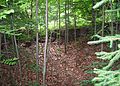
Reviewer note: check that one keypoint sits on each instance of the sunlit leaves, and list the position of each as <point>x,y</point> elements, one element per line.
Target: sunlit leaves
<point>23,4</point>
<point>107,78</point>
<point>119,46</point>
<point>9,32</point>
<point>106,55</point>
<point>100,3</point>
<point>105,39</point>
<point>5,12</point>
<point>10,62</point>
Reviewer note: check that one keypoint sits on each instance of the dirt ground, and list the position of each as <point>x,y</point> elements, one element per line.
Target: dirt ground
<point>62,69</point>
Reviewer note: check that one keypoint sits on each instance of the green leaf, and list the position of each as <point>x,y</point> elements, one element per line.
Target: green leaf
<point>119,46</point>
<point>5,12</point>
<point>100,3</point>
<point>11,62</point>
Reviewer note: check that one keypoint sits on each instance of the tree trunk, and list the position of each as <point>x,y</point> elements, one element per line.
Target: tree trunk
<point>0,42</point>
<point>75,27</point>
<point>5,43</point>
<point>68,23</point>
<point>16,48</point>
<point>17,54</point>
<point>59,21</point>
<point>37,46</point>
<point>111,24</point>
<point>46,43</point>
<point>94,17</point>
<point>103,24</point>
<point>66,26</point>
<point>0,54</point>
<point>31,8</point>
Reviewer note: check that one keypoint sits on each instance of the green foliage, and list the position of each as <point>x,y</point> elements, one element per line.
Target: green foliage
<point>11,62</point>
<point>33,67</point>
<point>4,13</point>
<point>86,82</point>
<point>106,77</point>
<point>9,32</point>
<point>105,39</point>
<point>100,3</point>
<point>113,14</point>
<point>23,12</point>
<point>34,84</point>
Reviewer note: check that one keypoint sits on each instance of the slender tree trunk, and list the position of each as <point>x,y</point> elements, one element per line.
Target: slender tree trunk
<point>117,26</point>
<point>17,54</point>
<point>0,42</point>
<point>75,24</point>
<point>12,40</point>
<point>93,17</point>
<point>31,8</point>
<point>103,24</point>
<point>0,55</point>
<point>116,32</point>
<point>16,49</point>
<point>59,21</point>
<point>66,26</point>
<point>112,30</point>
<point>37,46</point>
<point>46,43</point>
<point>68,23</point>
<point>111,24</point>
<point>75,27</point>
<point>5,42</point>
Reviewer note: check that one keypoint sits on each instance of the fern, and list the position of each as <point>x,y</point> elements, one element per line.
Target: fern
<point>11,62</point>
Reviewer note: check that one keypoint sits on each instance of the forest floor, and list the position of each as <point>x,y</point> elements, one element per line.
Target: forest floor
<point>68,69</point>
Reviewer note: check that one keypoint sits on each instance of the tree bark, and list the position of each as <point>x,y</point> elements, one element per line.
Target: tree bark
<point>37,46</point>
<point>68,23</point>
<point>0,42</point>
<point>111,24</point>
<point>31,8</point>
<point>5,42</point>
<point>59,21</point>
<point>94,17</point>
<point>66,26</point>
<point>103,24</point>
<point>75,27</point>
<point>16,47</point>
<point>46,43</point>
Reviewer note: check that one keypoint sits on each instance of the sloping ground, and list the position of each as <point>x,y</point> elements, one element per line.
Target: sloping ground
<point>69,69</point>
<point>62,69</point>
